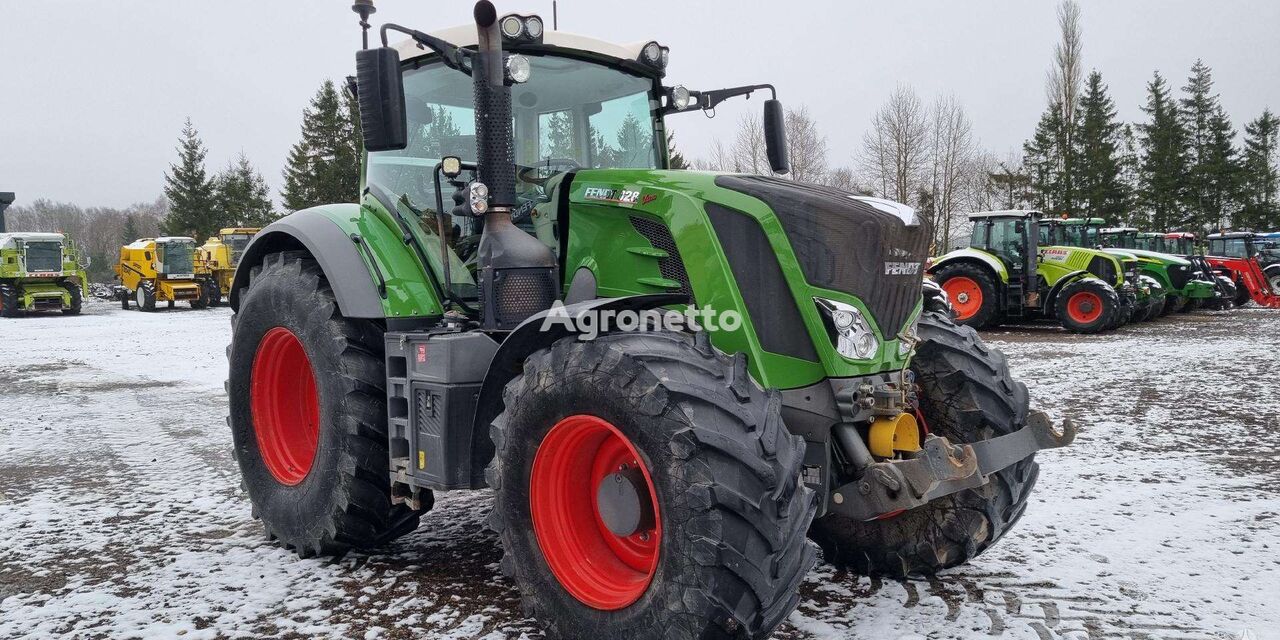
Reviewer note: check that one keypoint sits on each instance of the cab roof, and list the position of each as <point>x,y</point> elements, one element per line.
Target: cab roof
<point>141,243</point>
<point>1173,235</point>
<point>1232,235</point>
<point>1119,230</point>
<point>465,36</point>
<point>1081,221</point>
<point>1006,213</point>
<point>238,230</point>
<point>10,240</point>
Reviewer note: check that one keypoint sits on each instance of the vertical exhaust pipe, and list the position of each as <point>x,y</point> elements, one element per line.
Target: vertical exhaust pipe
<point>6,199</point>
<point>517,271</point>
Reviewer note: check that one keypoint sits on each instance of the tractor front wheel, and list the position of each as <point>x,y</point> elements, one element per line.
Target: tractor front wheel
<point>1242,294</point>
<point>9,301</point>
<point>77,300</point>
<point>646,487</point>
<point>1173,303</point>
<point>972,292</point>
<point>966,394</point>
<point>308,413</point>
<point>201,301</point>
<point>145,296</point>
<point>1088,306</point>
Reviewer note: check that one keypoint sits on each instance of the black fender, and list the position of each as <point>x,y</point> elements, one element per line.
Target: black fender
<point>312,231</point>
<point>525,339</point>
<point>1052,297</point>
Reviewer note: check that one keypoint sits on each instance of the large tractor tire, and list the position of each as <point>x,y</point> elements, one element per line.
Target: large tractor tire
<point>201,301</point>
<point>966,394</point>
<point>1088,305</point>
<point>145,296</point>
<point>646,487</point>
<point>1173,303</point>
<point>1191,304</point>
<point>1273,277</point>
<point>973,294</point>
<point>308,413</point>
<point>77,299</point>
<point>9,301</point>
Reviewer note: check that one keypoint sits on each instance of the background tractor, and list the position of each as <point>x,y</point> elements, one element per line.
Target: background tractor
<point>41,272</point>
<point>1006,274</point>
<point>1240,256</point>
<point>1185,286</point>
<point>218,256</point>
<point>1186,245</point>
<point>154,270</point>
<point>650,479</point>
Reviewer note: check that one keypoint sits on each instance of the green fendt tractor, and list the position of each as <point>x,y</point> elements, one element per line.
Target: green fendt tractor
<point>40,272</point>
<point>1010,273</point>
<point>651,477</point>
<point>1183,283</point>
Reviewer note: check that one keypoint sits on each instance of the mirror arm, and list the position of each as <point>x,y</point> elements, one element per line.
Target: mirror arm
<point>707,100</point>
<point>453,56</point>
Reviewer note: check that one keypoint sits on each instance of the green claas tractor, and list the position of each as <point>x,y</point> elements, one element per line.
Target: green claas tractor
<point>1184,284</point>
<point>668,379</point>
<point>41,272</point>
<point>1010,273</point>
<point>1147,301</point>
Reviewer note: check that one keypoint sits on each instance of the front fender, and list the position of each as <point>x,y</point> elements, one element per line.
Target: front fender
<point>972,255</point>
<point>527,338</point>
<point>1052,296</point>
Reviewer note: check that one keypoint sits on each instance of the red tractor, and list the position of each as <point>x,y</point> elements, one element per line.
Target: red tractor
<point>1185,244</point>
<point>1237,256</point>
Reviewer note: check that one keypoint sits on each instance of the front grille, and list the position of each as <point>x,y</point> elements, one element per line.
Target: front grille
<point>772,308</point>
<point>672,266</point>
<point>847,245</point>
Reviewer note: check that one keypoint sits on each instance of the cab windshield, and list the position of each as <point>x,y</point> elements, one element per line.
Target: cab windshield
<point>1078,235</point>
<point>44,256</point>
<point>571,114</point>
<point>235,245</point>
<point>175,257</point>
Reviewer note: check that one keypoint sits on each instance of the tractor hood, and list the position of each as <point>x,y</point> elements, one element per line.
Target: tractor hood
<point>866,247</point>
<point>1166,258</point>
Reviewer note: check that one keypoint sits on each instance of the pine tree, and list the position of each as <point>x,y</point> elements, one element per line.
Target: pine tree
<point>242,196</point>
<point>1130,178</point>
<point>1163,165</point>
<point>635,144</point>
<point>1100,190</point>
<point>129,231</point>
<point>1045,160</point>
<point>324,166</point>
<point>1212,175</point>
<point>675,159</point>
<point>1260,179</point>
<point>189,190</point>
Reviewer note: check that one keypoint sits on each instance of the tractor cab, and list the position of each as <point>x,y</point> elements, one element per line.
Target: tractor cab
<point>1013,237</point>
<point>33,254</point>
<point>1251,262</point>
<point>1119,238</point>
<point>1150,241</point>
<point>1071,232</point>
<point>1182,243</point>
<point>175,257</point>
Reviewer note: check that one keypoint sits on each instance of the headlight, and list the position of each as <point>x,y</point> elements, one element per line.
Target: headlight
<point>652,53</point>
<point>512,27</point>
<point>680,97</point>
<point>518,69</point>
<point>533,27</point>
<point>854,338</point>
<point>478,197</point>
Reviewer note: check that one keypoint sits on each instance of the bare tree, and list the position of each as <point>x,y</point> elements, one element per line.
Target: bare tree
<point>896,149</point>
<point>806,146</point>
<point>98,231</point>
<point>1063,87</point>
<point>749,155</point>
<point>951,150</point>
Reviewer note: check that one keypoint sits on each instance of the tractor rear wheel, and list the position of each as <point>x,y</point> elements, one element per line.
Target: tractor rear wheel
<point>966,394</point>
<point>1191,304</point>
<point>145,296</point>
<point>9,301</point>
<point>77,301</point>
<point>646,487</point>
<point>972,292</point>
<point>1173,303</point>
<point>308,413</point>
<point>1242,294</point>
<point>1088,305</point>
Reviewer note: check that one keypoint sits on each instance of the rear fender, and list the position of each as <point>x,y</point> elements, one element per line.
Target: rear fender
<point>529,337</point>
<point>1051,298</point>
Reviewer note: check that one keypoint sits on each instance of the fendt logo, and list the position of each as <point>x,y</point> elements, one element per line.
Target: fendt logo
<point>620,196</point>
<point>901,268</point>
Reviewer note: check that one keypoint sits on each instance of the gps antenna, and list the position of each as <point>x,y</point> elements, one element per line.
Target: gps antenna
<point>365,8</point>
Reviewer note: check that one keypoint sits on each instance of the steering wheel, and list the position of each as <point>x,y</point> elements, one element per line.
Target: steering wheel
<point>527,174</point>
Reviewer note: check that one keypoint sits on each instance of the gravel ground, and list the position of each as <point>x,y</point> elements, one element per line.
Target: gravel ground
<point>121,516</point>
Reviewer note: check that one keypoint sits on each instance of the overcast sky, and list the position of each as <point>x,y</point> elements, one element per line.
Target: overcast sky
<point>93,94</point>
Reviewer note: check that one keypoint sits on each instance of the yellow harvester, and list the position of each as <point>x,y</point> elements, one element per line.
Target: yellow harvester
<point>155,270</point>
<point>219,256</point>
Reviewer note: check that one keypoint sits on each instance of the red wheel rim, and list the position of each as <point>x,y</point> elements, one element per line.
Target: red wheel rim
<point>1084,307</point>
<point>597,567</point>
<point>286,411</point>
<point>965,296</point>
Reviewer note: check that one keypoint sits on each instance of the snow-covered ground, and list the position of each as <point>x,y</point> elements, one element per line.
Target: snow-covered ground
<point>121,513</point>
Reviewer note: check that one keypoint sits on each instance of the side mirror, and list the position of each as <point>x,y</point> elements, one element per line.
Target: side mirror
<point>380,91</point>
<point>86,261</point>
<point>775,137</point>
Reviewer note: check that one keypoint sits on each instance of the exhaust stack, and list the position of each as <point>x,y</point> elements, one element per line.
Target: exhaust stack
<point>6,199</point>
<point>517,271</point>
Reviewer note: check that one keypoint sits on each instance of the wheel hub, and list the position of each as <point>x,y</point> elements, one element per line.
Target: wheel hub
<point>623,502</point>
<point>963,298</point>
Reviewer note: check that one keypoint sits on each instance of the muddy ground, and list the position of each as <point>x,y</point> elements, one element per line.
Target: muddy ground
<point>121,513</point>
